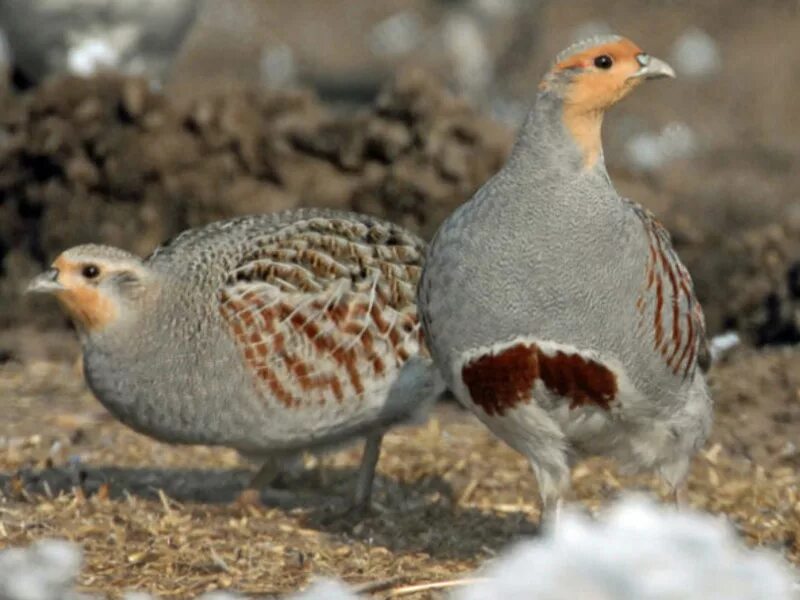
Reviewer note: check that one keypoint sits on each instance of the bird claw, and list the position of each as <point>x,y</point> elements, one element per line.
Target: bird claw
<point>249,498</point>
<point>358,509</point>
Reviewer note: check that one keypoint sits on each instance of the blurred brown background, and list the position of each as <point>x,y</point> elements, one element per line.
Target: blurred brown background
<point>396,108</point>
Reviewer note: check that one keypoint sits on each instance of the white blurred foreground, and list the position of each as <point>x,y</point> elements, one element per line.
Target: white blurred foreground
<point>638,550</point>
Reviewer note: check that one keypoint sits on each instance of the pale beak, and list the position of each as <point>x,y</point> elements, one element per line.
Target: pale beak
<point>653,68</point>
<point>46,283</point>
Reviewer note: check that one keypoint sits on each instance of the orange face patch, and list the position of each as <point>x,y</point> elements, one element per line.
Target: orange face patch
<point>501,381</point>
<point>86,305</point>
<point>597,89</point>
<point>593,90</point>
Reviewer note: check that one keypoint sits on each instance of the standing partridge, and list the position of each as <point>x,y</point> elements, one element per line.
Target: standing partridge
<point>269,334</point>
<point>558,311</point>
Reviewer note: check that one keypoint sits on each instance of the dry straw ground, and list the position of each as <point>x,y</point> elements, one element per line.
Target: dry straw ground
<point>449,496</point>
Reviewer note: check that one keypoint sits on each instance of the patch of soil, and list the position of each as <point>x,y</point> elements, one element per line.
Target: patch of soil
<point>757,397</point>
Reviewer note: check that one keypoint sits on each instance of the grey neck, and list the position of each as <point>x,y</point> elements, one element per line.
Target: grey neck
<point>545,149</point>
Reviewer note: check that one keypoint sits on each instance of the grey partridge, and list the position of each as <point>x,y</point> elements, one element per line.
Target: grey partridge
<point>269,334</point>
<point>557,310</point>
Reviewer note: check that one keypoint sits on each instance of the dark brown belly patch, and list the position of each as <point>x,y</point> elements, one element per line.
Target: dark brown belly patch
<point>501,381</point>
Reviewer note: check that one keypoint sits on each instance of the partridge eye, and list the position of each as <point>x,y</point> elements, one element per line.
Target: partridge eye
<point>603,61</point>
<point>90,271</point>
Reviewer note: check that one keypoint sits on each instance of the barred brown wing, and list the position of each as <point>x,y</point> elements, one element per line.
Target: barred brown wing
<point>326,314</point>
<point>668,310</point>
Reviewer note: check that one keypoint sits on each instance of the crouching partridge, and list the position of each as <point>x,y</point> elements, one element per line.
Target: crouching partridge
<point>558,311</point>
<point>269,334</point>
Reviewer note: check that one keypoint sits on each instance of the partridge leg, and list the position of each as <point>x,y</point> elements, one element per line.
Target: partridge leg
<point>676,476</point>
<point>366,472</point>
<point>680,494</point>
<point>553,478</point>
<point>551,512</point>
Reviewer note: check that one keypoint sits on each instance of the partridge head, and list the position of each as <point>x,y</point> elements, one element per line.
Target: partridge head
<point>590,77</point>
<point>99,287</point>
